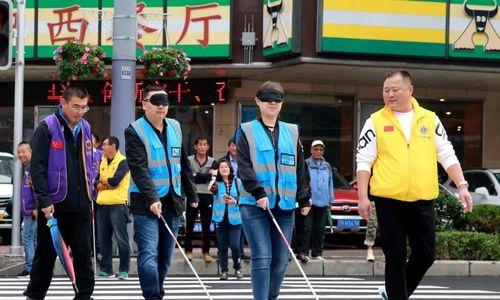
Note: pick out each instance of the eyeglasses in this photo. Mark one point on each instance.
(78, 108)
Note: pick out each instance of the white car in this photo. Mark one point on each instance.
(6, 191)
(484, 186)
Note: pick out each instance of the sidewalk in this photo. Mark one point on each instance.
(338, 262)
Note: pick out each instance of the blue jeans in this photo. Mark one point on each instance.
(156, 248)
(29, 241)
(112, 220)
(269, 252)
(228, 236)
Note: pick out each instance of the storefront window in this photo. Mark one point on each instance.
(196, 121)
(7, 126)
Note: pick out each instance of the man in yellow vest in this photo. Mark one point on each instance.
(398, 151)
(113, 182)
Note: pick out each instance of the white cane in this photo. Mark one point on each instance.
(291, 252)
(185, 257)
(92, 214)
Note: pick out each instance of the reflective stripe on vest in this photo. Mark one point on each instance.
(219, 207)
(157, 163)
(264, 163)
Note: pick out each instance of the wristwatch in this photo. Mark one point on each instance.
(464, 182)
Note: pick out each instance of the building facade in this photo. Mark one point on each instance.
(331, 57)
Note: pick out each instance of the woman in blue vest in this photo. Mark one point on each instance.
(273, 173)
(226, 216)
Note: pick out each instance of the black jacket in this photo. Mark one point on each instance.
(247, 174)
(138, 163)
(76, 196)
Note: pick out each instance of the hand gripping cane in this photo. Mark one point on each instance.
(185, 257)
(291, 252)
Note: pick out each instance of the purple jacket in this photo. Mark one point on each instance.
(56, 171)
(27, 194)
(97, 163)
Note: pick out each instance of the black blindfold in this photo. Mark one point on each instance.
(270, 96)
(159, 99)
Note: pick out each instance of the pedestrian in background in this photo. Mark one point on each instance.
(310, 229)
(28, 208)
(231, 156)
(160, 171)
(402, 143)
(227, 218)
(113, 182)
(274, 176)
(97, 152)
(62, 176)
(203, 169)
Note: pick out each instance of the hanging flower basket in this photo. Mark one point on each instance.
(78, 61)
(165, 63)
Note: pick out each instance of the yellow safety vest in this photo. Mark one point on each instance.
(405, 171)
(118, 194)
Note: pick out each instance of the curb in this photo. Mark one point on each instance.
(337, 267)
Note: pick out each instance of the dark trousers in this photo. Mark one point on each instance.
(75, 230)
(205, 210)
(398, 220)
(228, 236)
(112, 220)
(310, 230)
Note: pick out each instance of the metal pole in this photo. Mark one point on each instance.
(15, 249)
(124, 65)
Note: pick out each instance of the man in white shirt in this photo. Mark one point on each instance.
(398, 151)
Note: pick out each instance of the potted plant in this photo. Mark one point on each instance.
(77, 61)
(165, 63)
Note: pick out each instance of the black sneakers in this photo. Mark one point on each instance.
(23, 274)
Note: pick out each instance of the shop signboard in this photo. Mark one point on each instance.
(201, 27)
(183, 92)
(29, 36)
(62, 21)
(474, 29)
(393, 27)
(281, 26)
(150, 25)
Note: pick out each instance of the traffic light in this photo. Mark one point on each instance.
(6, 22)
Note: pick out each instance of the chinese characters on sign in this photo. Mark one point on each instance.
(201, 28)
(180, 93)
(74, 28)
(206, 22)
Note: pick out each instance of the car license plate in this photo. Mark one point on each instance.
(197, 227)
(348, 223)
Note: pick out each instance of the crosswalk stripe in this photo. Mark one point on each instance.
(177, 288)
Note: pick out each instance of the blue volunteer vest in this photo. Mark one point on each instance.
(157, 162)
(277, 177)
(219, 206)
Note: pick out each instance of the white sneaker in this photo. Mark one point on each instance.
(369, 255)
(317, 258)
(381, 291)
